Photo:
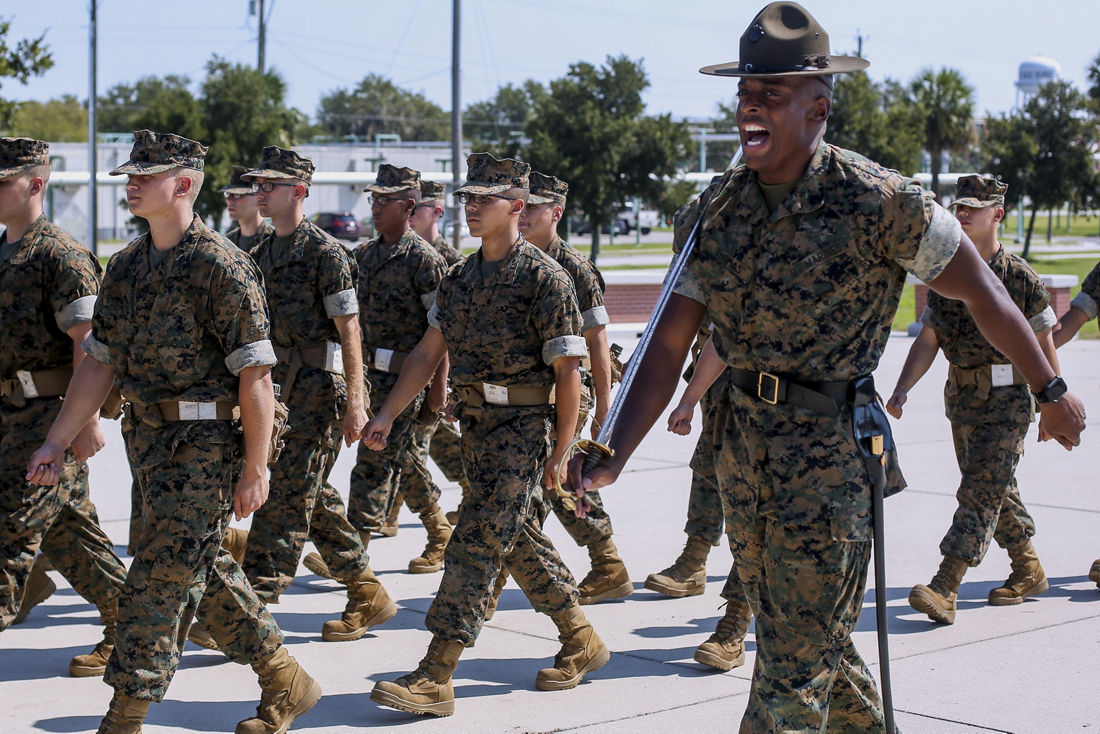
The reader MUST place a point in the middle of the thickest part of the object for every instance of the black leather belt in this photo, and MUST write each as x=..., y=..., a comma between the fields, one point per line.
x=821, y=397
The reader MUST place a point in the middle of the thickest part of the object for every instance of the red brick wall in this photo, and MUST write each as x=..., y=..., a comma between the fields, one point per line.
x=1059, y=300
x=629, y=303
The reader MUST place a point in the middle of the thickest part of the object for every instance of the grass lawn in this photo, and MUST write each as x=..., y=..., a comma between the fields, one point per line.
x=1076, y=226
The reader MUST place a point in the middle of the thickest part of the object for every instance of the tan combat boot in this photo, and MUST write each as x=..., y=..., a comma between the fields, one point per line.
x=368, y=605
x=94, y=663
x=725, y=649
x=938, y=599
x=39, y=588
x=124, y=715
x=452, y=517
x=1094, y=572
x=286, y=692
x=198, y=634
x=498, y=589
x=428, y=689
x=1027, y=578
x=317, y=565
x=439, y=534
x=389, y=527
x=235, y=541
x=582, y=651
x=608, y=578
x=688, y=575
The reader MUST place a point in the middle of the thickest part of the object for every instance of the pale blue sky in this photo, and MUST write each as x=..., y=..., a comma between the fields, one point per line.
x=319, y=45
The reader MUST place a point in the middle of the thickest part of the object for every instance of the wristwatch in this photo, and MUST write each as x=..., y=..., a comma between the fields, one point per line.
x=1052, y=392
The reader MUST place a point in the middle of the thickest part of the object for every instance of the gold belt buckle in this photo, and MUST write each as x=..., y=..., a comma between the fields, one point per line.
x=774, y=388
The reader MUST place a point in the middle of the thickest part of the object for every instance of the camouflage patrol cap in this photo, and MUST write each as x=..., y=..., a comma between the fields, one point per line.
x=547, y=189
x=276, y=162
x=237, y=185
x=487, y=175
x=432, y=190
x=391, y=179
x=159, y=152
x=17, y=154
x=979, y=192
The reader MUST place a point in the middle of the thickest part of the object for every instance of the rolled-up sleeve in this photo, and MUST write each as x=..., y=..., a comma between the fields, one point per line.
x=256, y=354
x=96, y=349
x=563, y=346
x=76, y=312
x=937, y=247
x=433, y=316
x=1086, y=304
x=344, y=303
x=428, y=299
x=1043, y=320
x=593, y=317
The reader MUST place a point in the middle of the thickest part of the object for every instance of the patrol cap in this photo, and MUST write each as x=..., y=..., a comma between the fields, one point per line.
x=979, y=192
x=276, y=162
x=432, y=190
x=391, y=179
x=547, y=189
x=785, y=40
x=487, y=175
x=237, y=184
x=17, y=154
x=159, y=152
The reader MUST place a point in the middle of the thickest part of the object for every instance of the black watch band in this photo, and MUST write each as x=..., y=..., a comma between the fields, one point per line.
x=1053, y=391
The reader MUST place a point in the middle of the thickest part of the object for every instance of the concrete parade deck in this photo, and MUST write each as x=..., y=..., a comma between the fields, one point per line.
x=1029, y=668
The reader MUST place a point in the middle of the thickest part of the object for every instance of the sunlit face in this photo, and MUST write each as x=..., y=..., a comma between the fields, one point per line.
x=15, y=196
x=241, y=206
x=282, y=197
x=979, y=222
x=390, y=211
x=424, y=216
x=488, y=216
x=779, y=119
x=539, y=222
x=150, y=194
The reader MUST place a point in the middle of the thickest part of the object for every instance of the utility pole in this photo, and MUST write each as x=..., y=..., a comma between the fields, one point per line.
x=262, y=40
x=456, y=116
x=93, y=213
x=859, y=43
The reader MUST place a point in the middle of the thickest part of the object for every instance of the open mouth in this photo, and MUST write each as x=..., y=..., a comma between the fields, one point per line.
x=753, y=136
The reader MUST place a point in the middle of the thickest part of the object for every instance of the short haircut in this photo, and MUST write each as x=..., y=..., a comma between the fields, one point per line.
x=40, y=171
x=196, y=177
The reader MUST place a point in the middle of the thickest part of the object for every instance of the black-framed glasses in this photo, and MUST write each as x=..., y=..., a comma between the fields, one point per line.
x=383, y=199
x=268, y=186
x=234, y=197
x=465, y=198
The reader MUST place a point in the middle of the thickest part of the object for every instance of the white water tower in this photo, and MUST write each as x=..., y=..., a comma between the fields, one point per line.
x=1034, y=73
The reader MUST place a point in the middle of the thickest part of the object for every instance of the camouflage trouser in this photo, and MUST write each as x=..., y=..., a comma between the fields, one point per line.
x=799, y=499
x=377, y=474
x=186, y=505
x=302, y=504
x=445, y=449
x=705, y=515
x=500, y=523
x=593, y=527
x=990, y=507
x=59, y=520
x=415, y=484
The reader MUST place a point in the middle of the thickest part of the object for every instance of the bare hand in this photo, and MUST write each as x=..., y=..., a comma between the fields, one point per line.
x=250, y=494
x=45, y=465
x=89, y=441
x=377, y=432
x=1063, y=421
x=896, y=402
x=354, y=420
x=679, y=420
x=604, y=473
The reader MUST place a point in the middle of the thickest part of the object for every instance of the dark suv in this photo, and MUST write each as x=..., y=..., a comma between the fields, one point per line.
x=342, y=225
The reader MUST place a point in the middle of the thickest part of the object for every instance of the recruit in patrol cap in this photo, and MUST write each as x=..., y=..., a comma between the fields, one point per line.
x=159, y=152
x=487, y=175
x=547, y=189
x=276, y=162
x=391, y=179
x=237, y=185
x=785, y=40
x=432, y=190
x=979, y=192
x=17, y=154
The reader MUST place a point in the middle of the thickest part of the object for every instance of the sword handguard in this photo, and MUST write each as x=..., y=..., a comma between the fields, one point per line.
x=594, y=450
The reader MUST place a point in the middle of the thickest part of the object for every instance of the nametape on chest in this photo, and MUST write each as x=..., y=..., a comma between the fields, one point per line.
x=26, y=381
x=334, y=357
x=382, y=359
x=193, y=411
x=1001, y=375
x=495, y=394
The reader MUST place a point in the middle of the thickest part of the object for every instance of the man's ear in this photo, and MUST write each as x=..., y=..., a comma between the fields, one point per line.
x=518, y=205
x=183, y=185
x=822, y=108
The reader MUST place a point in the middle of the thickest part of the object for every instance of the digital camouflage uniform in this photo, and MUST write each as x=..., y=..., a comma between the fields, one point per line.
x=705, y=518
x=309, y=283
x=807, y=291
x=262, y=232
x=48, y=284
x=1088, y=297
x=397, y=287
x=505, y=329
x=182, y=331
x=239, y=186
x=988, y=424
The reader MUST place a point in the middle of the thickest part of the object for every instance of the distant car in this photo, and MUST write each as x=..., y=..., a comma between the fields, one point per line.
x=341, y=225
x=580, y=226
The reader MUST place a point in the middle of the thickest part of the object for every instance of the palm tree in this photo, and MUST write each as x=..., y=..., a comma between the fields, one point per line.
x=946, y=104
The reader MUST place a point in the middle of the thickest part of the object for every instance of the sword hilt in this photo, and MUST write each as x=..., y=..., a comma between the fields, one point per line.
x=593, y=450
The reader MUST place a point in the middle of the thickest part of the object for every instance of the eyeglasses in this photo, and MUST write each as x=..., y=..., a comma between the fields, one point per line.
x=479, y=199
x=234, y=197
x=383, y=199
x=268, y=186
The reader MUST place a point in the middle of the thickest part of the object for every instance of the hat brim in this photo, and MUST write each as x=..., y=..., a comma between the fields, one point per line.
x=376, y=189
x=974, y=203
x=14, y=171
x=267, y=173
x=142, y=168
x=540, y=199
x=482, y=187
x=239, y=190
x=837, y=65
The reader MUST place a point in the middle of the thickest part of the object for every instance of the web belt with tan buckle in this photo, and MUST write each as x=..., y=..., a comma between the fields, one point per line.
x=820, y=397
x=385, y=360
x=173, y=411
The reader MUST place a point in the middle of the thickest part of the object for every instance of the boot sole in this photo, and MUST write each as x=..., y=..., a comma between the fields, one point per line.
x=45, y=593
x=380, y=616
x=597, y=662
x=425, y=569
x=718, y=662
x=84, y=671
x=1011, y=601
x=626, y=588
x=925, y=604
x=317, y=566
x=676, y=592
x=443, y=708
x=313, y=695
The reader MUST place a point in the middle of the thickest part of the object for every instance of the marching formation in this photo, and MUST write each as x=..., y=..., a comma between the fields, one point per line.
x=239, y=363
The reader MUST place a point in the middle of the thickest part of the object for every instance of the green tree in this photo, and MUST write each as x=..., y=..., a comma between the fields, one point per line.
x=497, y=125
x=59, y=120
x=163, y=104
x=946, y=104
x=377, y=105
x=1093, y=74
x=1045, y=151
x=25, y=59
x=677, y=192
x=590, y=131
x=242, y=111
x=878, y=121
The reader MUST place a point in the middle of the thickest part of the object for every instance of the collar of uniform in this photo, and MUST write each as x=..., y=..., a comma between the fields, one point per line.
x=22, y=253
x=555, y=246
x=807, y=195
x=506, y=272
x=297, y=249
x=179, y=262
x=397, y=249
